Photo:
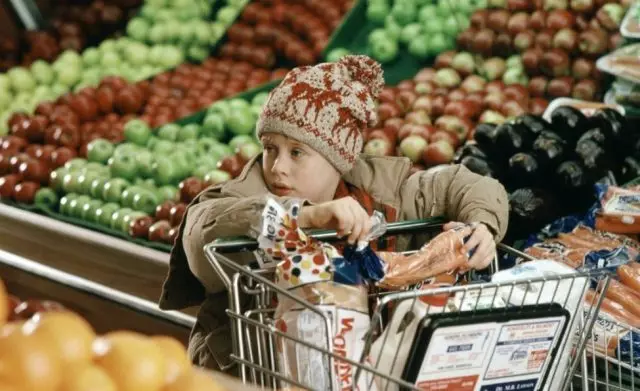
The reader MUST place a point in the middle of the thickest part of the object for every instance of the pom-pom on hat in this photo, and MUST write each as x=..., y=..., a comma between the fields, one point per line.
x=326, y=106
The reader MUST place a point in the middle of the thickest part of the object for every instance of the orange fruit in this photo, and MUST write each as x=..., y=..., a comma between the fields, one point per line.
x=29, y=362
x=133, y=361
x=69, y=333
x=4, y=304
x=175, y=355
x=9, y=387
x=11, y=327
x=87, y=377
x=195, y=380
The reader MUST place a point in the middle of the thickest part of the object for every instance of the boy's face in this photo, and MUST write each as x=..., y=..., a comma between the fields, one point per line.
x=293, y=169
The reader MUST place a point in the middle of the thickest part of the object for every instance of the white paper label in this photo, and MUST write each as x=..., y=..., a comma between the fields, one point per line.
x=490, y=356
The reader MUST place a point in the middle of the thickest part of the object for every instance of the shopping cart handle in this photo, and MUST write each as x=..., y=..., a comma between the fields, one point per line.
x=232, y=245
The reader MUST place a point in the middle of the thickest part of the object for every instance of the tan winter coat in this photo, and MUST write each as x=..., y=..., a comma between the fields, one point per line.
x=230, y=210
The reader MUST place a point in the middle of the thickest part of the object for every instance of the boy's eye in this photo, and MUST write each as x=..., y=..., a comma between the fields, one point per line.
x=297, y=152
x=269, y=148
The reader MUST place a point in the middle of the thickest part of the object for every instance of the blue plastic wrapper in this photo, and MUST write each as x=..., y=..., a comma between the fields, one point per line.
x=629, y=348
x=360, y=264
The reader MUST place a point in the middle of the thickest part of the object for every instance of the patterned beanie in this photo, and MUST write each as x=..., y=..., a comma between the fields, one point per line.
x=326, y=106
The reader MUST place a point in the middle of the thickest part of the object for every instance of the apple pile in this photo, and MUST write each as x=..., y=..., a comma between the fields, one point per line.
x=19, y=310
x=422, y=28
x=22, y=89
x=184, y=23
x=558, y=41
x=426, y=119
x=274, y=32
x=72, y=27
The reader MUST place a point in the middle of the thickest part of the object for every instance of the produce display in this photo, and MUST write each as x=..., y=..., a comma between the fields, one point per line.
x=72, y=25
x=558, y=42
x=128, y=187
x=284, y=33
x=193, y=25
x=550, y=167
x=422, y=28
x=427, y=118
x=59, y=350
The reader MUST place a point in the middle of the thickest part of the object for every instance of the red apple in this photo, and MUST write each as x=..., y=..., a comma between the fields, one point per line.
x=405, y=99
x=419, y=117
x=560, y=87
x=582, y=6
x=479, y=18
x=462, y=108
x=12, y=144
x=473, y=83
x=5, y=165
x=33, y=170
x=378, y=147
x=531, y=61
x=424, y=75
x=25, y=192
x=423, y=131
x=387, y=134
x=458, y=126
x=538, y=86
x=388, y=110
x=555, y=63
x=450, y=138
x=585, y=90
x=388, y=95
x=518, y=22
x=395, y=123
x=190, y=188
x=512, y=108
x=176, y=214
x=425, y=87
x=162, y=210
x=464, y=40
x=483, y=42
x=566, y=39
x=593, y=42
x=516, y=92
x=559, y=19
x=457, y=94
x=8, y=184
x=139, y=228
x=524, y=40
x=498, y=19
x=582, y=68
x=439, y=152
x=537, y=106
x=502, y=45
x=519, y=5
x=494, y=86
x=232, y=165
x=61, y=155
x=538, y=20
x=444, y=60
x=412, y=147
x=544, y=39
x=493, y=100
x=477, y=98
x=437, y=106
x=159, y=231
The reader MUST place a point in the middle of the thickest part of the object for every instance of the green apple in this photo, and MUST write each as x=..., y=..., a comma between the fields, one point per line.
x=88, y=212
x=46, y=198
x=138, y=29
x=68, y=76
x=259, y=99
x=42, y=72
x=213, y=126
x=76, y=205
x=217, y=31
x=63, y=207
x=167, y=193
x=410, y=32
x=5, y=83
x=108, y=45
x=21, y=79
x=145, y=201
x=91, y=57
x=85, y=180
x=182, y=163
x=169, y=132
x=198, y=53
x=165, y=172
x=113, y=189
x=99, y=150
x=201, y=170
x=241, y=122
x=70, y=183
x=136, y=54
x=104, y=213
x=124, y=165
x=190, y=145
x=126, y=148
x=56, y=178
x=240, y=140
x=70, y=57
x=145, y=160
x=118, y=217
x=163, y=147
x=152, y=142
x=97, y=186
x=188, y=132
x=238, y=104
x=428, y=14
x=249, y=150
x=110, y=59
x=100, y=169
x=215, y=176
x=227, y=15
x=145, y=183
x=384, y=49
x=137, y=131
x=221, y=107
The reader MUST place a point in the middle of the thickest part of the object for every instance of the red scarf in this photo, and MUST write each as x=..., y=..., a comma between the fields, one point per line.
x=370, y=205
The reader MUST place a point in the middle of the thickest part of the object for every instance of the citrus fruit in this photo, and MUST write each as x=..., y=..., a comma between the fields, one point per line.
x=87, y=377
x=175, y=355
x=29, y=362
x=69, y=333
x=195, y=380
x=133, y=361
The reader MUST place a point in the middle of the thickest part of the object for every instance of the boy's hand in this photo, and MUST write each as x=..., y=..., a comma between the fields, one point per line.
x=345, y=215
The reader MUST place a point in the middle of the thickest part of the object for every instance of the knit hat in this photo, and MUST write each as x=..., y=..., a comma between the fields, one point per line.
x=326, y=106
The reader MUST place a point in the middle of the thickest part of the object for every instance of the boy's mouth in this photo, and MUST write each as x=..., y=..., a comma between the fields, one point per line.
x=280, y=189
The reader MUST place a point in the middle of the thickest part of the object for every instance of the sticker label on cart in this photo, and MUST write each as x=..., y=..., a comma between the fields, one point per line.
x=490, y=356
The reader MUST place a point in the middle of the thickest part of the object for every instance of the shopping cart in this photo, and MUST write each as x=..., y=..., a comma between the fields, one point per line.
x=258, y=342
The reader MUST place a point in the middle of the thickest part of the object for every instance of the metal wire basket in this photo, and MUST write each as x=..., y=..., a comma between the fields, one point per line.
x=392, y=353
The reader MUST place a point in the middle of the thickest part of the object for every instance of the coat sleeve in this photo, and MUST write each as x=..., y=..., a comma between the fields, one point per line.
x=459, y=195
x=217, y=218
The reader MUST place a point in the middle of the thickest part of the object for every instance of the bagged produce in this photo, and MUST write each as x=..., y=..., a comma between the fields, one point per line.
x=619, y=210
